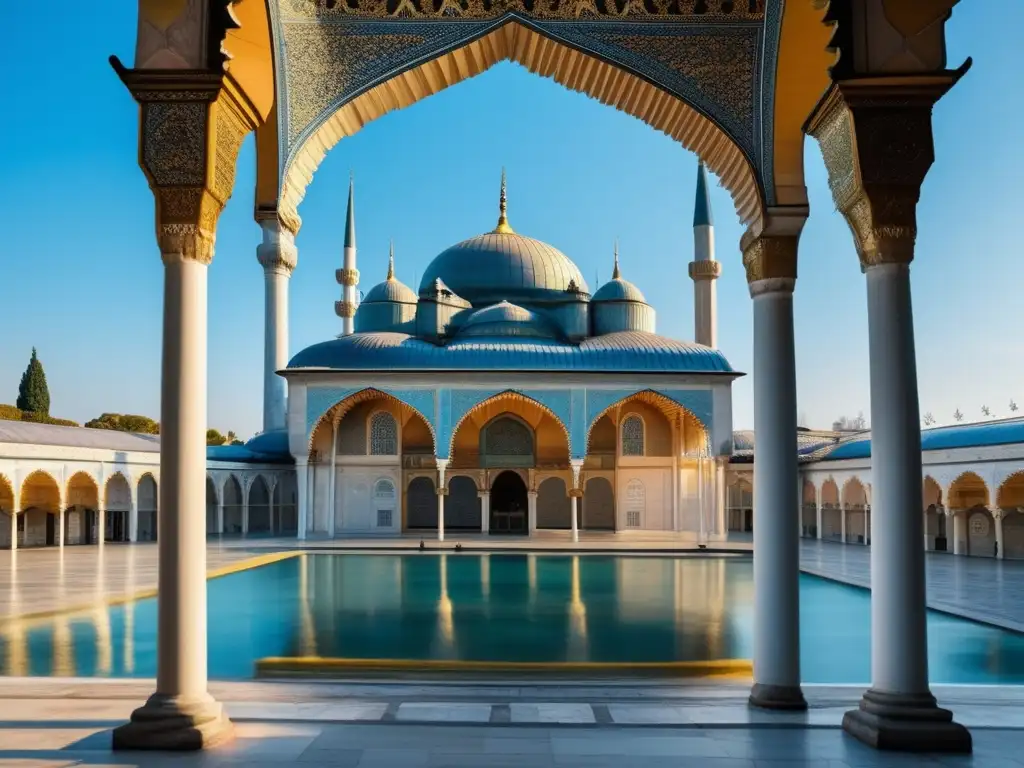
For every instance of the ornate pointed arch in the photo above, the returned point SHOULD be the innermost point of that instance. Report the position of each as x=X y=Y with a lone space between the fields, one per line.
x=969 y=487
x=670 y=408
x=695 y=81
x=509 y=395
x=337 y=411
x=850 y=488
x=1010 y=494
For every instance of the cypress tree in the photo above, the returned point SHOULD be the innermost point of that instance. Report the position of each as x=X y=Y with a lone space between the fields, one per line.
x=33 y=394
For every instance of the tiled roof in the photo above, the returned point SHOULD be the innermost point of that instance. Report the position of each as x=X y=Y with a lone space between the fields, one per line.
x=627 y=351
x=1000 y=432
x=270 y=447
x=29 y=433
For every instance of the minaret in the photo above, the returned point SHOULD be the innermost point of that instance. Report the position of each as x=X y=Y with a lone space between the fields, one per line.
x=348 y=275
x=704 y=270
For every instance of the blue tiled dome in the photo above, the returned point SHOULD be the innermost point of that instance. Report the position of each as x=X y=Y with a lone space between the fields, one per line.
x=504 y=265
x=505 y=319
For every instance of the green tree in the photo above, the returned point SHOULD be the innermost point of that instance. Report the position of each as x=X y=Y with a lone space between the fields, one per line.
x=125 y=422
x=33 y=394
x=213 y=437
x=232 y=439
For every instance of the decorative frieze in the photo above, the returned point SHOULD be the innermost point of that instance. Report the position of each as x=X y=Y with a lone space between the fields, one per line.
x=705 y=269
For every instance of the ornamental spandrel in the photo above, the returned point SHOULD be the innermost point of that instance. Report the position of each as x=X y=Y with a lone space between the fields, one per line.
x=710 y=54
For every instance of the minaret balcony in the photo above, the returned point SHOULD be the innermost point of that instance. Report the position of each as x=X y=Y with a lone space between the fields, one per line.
x=347 y=276
x=705 y=269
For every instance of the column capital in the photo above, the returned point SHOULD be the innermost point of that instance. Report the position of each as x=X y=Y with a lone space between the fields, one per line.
x=876 y=138
x=192 y=124
x=770 y=247
x=277 y=252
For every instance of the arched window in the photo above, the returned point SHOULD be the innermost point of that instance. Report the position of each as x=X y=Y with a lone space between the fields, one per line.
x=383 y=435
x=633 y=436
x=384 y=502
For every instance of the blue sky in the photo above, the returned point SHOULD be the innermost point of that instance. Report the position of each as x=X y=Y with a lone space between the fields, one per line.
x=82 y=275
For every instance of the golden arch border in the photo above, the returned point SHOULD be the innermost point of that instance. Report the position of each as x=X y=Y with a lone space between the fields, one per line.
x=515 y=39
x=1017 y=476
x=971 y=473
x=346 y=404
x=651 y=397
x=514 y=395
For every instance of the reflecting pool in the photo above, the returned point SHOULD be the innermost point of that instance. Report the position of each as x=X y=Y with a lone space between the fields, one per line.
x=503 y=607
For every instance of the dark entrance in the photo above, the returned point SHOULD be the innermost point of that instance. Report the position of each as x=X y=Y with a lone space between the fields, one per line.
x=508 y=504
x=51 y=530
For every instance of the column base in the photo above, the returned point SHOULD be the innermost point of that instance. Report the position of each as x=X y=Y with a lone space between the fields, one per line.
x=906 y=723
x=167 y=723
x=782 y=697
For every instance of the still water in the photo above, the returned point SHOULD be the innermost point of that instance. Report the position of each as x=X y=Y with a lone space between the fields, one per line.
x=507 y=607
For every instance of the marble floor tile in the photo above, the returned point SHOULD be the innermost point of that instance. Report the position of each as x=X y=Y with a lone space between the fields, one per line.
x=552 y=713
x=444 y=712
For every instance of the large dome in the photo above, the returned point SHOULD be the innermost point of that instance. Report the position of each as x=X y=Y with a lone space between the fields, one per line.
x=503 y=265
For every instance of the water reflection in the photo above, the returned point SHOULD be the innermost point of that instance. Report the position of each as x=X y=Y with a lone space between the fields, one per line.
x=506 y=607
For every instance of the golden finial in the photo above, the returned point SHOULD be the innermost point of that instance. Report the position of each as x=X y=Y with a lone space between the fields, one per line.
x=615 y=272
x=391 y=262
x=503 y=228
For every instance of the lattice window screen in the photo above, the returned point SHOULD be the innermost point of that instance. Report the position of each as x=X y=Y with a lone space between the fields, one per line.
x=633 y=436
x=383 y=435
x=507 y=437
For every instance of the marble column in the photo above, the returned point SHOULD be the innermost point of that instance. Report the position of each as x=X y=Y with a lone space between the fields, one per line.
x=531 y=512
x=278 y=256
x=333 y=482
x=770 y=261
x=720 y=496
x=181 y=714
x=133 y=515
x=842 y=522
x=485 y=511
x=958 y=531
x=14 y=522
x=191 y=127
x=442 y=491
x=575 y=494
x=997 y=515
x=817 y=515
x=302 y=496
x=245 y=508
x=877 y=142
x=101 y=524
x=62 y=516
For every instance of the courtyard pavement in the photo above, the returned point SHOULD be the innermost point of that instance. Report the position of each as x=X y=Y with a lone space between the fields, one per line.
x=56 y=722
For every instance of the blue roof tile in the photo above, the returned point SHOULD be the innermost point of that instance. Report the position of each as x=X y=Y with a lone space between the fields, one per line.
x=627 y=351
x=942 y=438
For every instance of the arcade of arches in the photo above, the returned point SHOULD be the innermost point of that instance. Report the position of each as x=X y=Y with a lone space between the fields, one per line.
x=510 y=471
x=962 y=514
x=41 y=512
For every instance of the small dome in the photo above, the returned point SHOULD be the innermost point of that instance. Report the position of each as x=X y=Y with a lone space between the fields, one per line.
x=619 y=290
x=390 y=290
x=505 y=319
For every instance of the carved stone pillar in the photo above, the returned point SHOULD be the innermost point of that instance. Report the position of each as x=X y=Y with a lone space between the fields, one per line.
x=442 y=491
x=770 y=258
x=876 y=137
x=192 y=126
